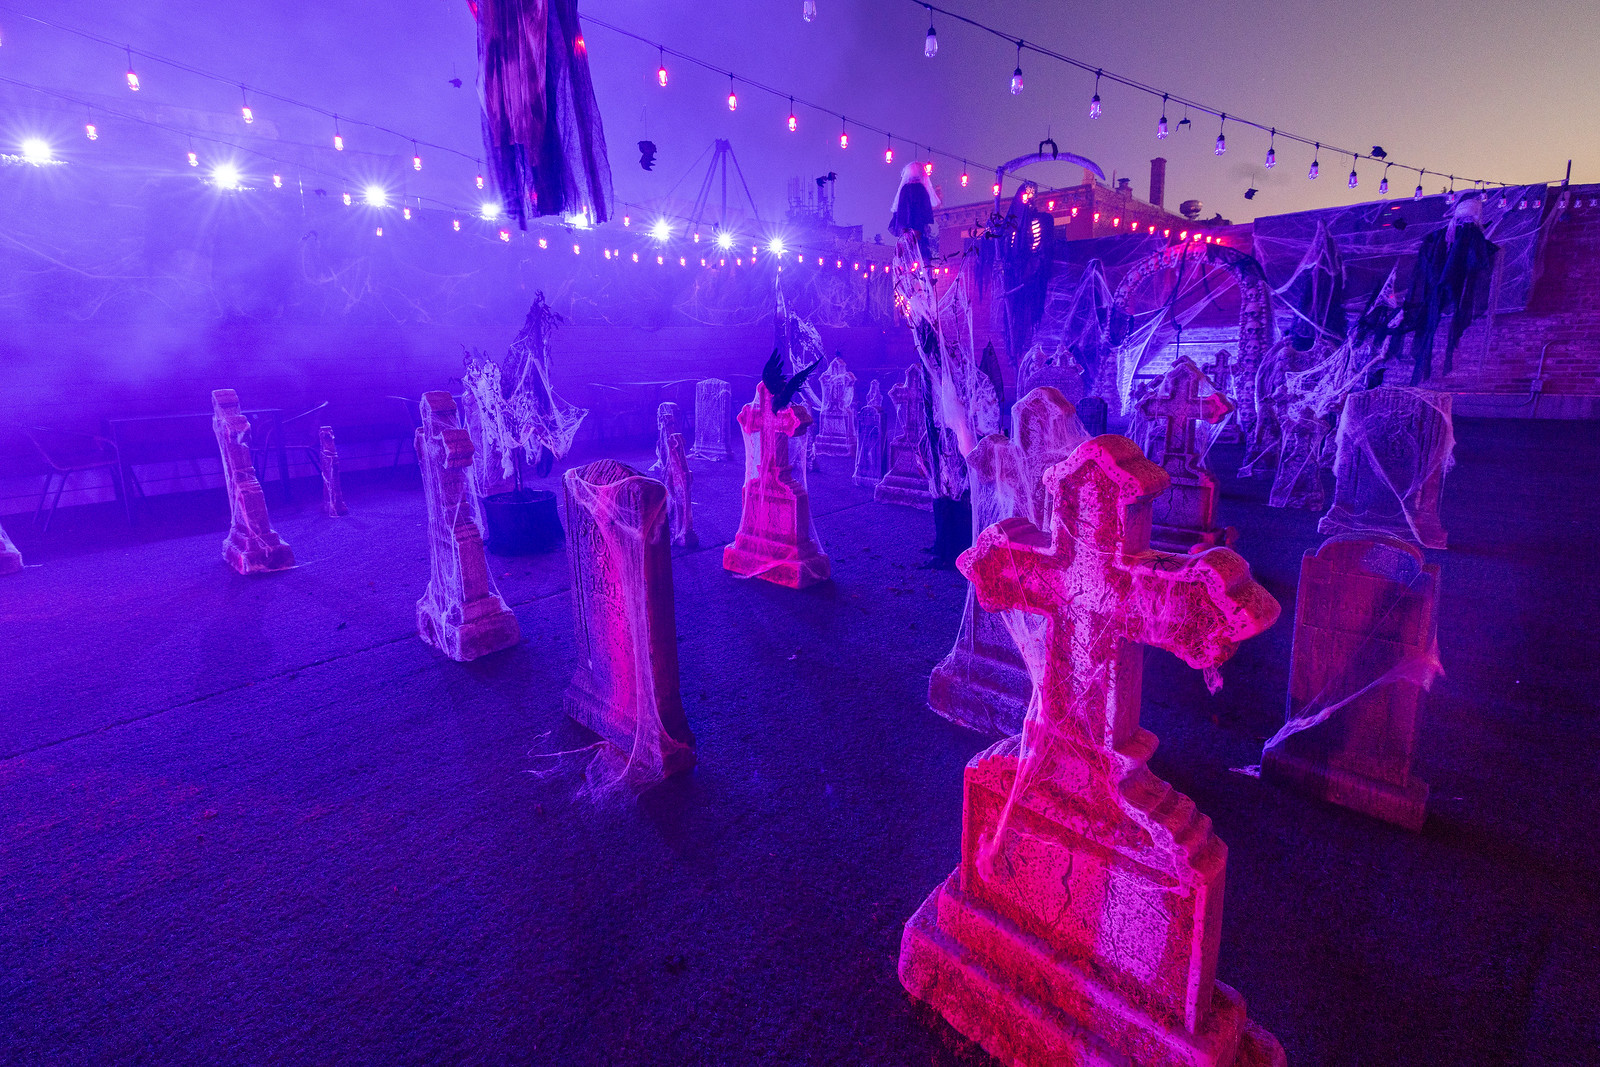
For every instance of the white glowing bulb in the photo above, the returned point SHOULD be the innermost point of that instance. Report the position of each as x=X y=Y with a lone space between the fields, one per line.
x=489 y=211
x=194 y=160
x=724 y=240
x=661 y=230
x=416 y=161
x=808 y=10
x=375 y=196
x=133 y=80
x=91 y=131
x=406 y=212
x=775 y=246
x=338 y=142
x=455 y=224
x=505 y=235
x=480 y=181
x=347 y=200
x=225 y=176
x=277 y=181
x=36 y=150
x=248 y=113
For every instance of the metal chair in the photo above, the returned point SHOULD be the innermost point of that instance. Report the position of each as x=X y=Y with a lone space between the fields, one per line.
x=69 y=452
x=269 y=441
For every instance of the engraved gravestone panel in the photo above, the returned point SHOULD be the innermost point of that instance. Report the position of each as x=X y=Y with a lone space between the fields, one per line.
x=1395 y=447
x=835 y=426
x=906 y=481
x=712 y=418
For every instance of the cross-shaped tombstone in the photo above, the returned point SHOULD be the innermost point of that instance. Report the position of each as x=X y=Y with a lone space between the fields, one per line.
x=775 y=539
x=907 y=479
x=1185 y=519
x=252 y=546
x=836 y=427
x=1083 y=923
x=983 y=683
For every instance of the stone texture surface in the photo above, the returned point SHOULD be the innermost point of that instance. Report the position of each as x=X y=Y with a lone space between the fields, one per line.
x=836 y=432
x=253 y=546
x=983 y=683
x=712 y=401
x=666 y=426
x=1083 y=922
x=1298 y=481
x=626 y=686
x=333 y=504
x=1366 y=616
x=1185 y=518
x=1092 y=414
x=460 y=613
x=906 y=481
x=1394 y=450
x=775 y=539
x=679 y=480
x=10 y=558
x=868 y=469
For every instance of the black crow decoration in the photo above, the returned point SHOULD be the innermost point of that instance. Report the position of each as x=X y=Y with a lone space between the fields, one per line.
x=783 y=391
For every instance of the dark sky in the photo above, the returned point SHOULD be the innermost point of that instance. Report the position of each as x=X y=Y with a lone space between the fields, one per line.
x=1492 y=89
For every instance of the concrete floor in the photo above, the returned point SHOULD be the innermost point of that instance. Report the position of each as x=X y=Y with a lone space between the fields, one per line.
x=256 y=820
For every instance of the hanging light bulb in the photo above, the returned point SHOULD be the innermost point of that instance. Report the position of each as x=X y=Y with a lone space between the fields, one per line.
x=1222 y=137
x=133 y=78
x=1094 y=102
x=479 y=181
x=964 y=176
x=406 y=212
x=245 y=111
x=1417 y=195
x=338 y=138
x=455 y=224
x=808 y=10
x=194 y=160
x=661 y=71
x=1353 y=181
x=1272 y=148
x=888 y=152
x=927 y=168
x=1383 y=183
x=733 y=97
x=793 y=123
x=1315 y=169
x=1161 y=125
x=416 y=157
x=996 y=188
x=930 y=45
x=347 y=200
x=1016 y=75
x=277 y=181
x=844 y=135
x=91 y=131
x=1450 y=197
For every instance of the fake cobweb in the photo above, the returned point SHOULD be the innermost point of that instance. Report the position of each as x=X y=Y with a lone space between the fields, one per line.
x=1395 y=446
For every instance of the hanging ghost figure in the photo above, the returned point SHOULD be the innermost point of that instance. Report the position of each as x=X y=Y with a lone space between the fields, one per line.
x=912 y=209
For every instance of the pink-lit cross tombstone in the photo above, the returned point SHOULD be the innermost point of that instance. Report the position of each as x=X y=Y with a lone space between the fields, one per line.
x=983 y=683
x=460 y=613
x=907 y=479
x=626 y=686
x=1366 y=615
x=836 y=426
x=10 y=558
x=333 y=504
x=253 y=546
x=774 y=539
x=1083 y=922
x=1185 y=519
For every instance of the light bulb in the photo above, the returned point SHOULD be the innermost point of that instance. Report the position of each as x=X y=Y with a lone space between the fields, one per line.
x=249 y=115
x=544 y=242
x=1094 y=106
x=380 y=231
x=661 y=71
x=996 y=188
x=133 y=80
x=406 y=212
x=277 y=181
x=733 y=98
x=844 y=139
x=1417 y=195
x=1315 y=169
x=888 y=154
x=964 y=176
x=1016 y=82
x=1161 y=128
x=347 y=200
x=1353 y=181
x=455 y=224
x=808 y=10
x=1272 y=158
x=1222 y=145
x=91 y=131
x=416 y=159
x=927 y=168
x=338 y=142
x=930 y=46
x=480 y=181
x=505 y=235
x=793 y=123
x=194 y=160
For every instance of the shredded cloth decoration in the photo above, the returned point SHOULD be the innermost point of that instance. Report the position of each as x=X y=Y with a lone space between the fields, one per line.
x=541 y=125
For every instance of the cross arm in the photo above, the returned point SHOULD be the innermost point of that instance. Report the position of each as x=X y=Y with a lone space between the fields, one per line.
x=1199 y=607
x=1001 y=562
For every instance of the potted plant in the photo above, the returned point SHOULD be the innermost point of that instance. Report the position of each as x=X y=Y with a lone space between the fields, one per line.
x=518 y=424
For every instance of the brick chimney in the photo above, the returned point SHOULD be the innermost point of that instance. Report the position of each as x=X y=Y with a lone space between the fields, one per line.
x=1158 y=182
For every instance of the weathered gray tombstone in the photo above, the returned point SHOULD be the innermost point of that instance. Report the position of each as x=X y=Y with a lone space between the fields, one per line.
x=460 y=612
x=1364 y=655
x=333 y=504
x=836 y=431
x=1395 y=447
x=983 y=683
x=10 y=558
x=869 y=446
x=1057 y=369
x=679 y=480
x=626 y=686
x=1185 y=516
x=666 y=426
x=907 y=479
x=712 y=418
x=1092 y=414
x=1298 y=481
x=253 y=546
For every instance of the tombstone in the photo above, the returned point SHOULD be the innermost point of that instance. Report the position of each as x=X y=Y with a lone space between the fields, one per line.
x=333 y=504
x=678 y=480
x=1185 y=519
x=983 y=683
x=460 y=612
x=1222 y=373
x=1366 y=616
x=1057 y=370
x=775 y=539
x=711 y=403
x=666 y=426
x=835 y=428
x=10 y=558
x=1298 y=482
x=1092 y=414
x=907 y=479
x=253 y=546
x=1394 y=449
x=869 y=446
x=626 y=686
x=1083 y=923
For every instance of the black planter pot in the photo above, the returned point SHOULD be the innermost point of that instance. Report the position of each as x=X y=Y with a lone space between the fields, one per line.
x=521 y=523
x=952 y=530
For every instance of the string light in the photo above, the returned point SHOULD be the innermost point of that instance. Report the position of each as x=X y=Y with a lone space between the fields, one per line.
x=406 y=213
x=338 y=138
x=888 y=152
x=964 y=177
x=1383 y=183
x=808 y=10
x=194 y=160
x=1016 y=75
x=1311 y=174
x=416 y=156
x=348 y=200
x=380 y=231
x=661 y=71
x=277 y=181
x=246 y=111
x=1450 y=197
x=1094 y=102
x=733 y=97
x=1353 y=180
x=1161 y=125
x=1272 y=149
x=793 y=123
x=927 y=168
x=455 y=224
x=479 y=180
x=844 y=135
x=930 y=46
x=133 y=78
x=1222 y=137
x=1417 y=195
x=91 y=131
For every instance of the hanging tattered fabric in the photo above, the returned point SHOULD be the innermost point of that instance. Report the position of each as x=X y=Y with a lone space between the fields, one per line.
x=541 y=125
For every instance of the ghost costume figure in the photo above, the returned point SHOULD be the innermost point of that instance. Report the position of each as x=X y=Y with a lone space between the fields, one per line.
x=912 y=209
